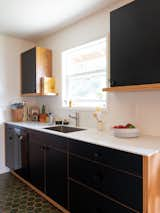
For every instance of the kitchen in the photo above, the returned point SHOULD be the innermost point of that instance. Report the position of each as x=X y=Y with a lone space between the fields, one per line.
x=138 y=107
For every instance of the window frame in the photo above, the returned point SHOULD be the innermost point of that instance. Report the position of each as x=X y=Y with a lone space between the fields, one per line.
x=63 y=85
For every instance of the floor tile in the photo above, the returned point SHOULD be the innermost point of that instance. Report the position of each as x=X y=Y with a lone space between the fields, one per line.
x=16 y=197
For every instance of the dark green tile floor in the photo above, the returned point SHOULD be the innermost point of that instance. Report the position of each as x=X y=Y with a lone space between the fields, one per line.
x=16 y=197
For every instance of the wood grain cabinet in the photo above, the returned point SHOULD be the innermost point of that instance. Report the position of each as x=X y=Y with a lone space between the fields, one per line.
x=35 y=64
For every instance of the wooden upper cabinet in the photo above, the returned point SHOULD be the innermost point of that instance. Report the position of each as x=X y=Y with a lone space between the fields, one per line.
x=36 y=63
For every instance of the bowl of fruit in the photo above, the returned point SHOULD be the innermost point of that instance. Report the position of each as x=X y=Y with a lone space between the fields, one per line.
x=125 y=131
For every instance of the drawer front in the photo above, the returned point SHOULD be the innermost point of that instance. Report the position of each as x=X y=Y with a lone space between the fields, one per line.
x=114 y=158
x=122 y=187
x=84 y=200
x=53 y=141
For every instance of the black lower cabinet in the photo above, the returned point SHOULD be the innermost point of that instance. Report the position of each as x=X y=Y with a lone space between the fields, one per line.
x=80 y=177
x=121 y=186
x=36 y=163
x=48 y=166
x=56 y=175
x=85 y=200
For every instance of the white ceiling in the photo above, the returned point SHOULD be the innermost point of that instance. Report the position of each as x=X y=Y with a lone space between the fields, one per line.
x=34 y=19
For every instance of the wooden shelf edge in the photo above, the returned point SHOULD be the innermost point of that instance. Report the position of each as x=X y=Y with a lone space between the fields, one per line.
x=133 y=88
x=38 y=94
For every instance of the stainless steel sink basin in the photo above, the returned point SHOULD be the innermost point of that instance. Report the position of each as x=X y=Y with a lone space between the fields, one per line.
x=64 y=129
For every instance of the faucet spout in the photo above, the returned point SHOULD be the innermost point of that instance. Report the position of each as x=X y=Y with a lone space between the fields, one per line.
x=76 y=118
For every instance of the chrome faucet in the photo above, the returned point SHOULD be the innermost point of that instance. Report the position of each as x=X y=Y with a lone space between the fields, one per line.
x=76 y=117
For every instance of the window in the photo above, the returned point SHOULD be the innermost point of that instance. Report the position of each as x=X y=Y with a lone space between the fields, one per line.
x=84 y=75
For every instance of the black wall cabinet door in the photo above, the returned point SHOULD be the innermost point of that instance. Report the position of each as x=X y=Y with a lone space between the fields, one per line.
x=135 y=43
x=56 y=175
x=28 y=63
x=124 y=45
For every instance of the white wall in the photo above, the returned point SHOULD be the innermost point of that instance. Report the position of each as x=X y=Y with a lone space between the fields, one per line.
x=10 y=49
x=89 y=29
x=141 y=108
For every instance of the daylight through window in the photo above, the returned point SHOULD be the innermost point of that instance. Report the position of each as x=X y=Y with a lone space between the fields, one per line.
x=84 y=75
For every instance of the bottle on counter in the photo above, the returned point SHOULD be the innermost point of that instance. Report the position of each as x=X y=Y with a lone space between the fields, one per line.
x=51 y=118
x=98 y=115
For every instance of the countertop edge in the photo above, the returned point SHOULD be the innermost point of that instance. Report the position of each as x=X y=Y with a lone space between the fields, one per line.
x=146 y=152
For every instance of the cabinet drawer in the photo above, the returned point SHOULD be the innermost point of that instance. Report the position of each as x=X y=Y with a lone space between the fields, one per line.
x=114 y=158
x=120 y=186
x=84 y=200
x=49 y=139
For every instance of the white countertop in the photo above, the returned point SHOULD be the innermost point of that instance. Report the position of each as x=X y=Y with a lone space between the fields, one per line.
x=143 y=145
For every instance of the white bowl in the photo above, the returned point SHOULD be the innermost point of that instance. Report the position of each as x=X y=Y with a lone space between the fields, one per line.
x=125 y=133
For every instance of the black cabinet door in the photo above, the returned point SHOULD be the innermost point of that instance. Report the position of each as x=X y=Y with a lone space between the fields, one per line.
x=56 y=175
x=121 y=186
x=84 y=200
x=124 y=46
x=28 y=71
x=135 y=43
x=36 y=163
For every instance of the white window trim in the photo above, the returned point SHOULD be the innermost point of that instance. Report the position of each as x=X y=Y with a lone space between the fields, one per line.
x=84 y=108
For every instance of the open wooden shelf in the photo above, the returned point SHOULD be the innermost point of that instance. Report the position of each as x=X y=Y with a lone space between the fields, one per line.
x=133 y=88
x=38 y=94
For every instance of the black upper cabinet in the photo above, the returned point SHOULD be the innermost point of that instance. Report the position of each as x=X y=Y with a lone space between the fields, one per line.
x=36 y=64
x=28 y=63
x=135 y=44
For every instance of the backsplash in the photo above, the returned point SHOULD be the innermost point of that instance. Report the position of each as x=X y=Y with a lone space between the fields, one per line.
x=139 y=108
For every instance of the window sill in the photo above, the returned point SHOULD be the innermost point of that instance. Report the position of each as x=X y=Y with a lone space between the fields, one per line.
x=84 y=109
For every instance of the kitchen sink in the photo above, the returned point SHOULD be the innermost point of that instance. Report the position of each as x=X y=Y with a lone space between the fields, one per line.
x=64 y=129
